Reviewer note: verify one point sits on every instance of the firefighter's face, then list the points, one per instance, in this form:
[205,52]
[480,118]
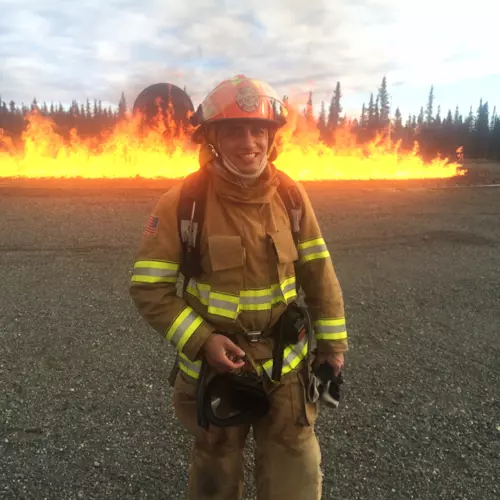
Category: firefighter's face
[244,143]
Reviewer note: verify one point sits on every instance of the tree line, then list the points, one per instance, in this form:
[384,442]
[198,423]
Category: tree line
[437,132]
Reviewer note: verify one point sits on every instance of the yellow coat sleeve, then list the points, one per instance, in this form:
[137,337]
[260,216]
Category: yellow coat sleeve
[153,283]
[317,276]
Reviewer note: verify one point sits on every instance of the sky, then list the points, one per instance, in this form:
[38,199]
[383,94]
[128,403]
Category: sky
[58,50]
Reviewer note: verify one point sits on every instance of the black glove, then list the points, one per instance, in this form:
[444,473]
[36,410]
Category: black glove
[328,384]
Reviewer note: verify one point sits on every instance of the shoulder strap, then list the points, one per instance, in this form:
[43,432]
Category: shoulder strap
[191,214]
[190,218]
[290,194]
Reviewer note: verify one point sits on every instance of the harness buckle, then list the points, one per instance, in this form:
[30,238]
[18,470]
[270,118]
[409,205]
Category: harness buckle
[254,335]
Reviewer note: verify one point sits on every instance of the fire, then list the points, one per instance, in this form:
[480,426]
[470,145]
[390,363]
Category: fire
[126,152]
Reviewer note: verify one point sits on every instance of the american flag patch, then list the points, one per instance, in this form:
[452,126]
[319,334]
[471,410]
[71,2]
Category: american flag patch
[151,226]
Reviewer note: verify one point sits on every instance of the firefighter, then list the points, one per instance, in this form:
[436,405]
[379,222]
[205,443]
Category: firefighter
[225,321]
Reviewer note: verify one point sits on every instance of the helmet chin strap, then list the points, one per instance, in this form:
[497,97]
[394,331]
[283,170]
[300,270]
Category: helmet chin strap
[233,169]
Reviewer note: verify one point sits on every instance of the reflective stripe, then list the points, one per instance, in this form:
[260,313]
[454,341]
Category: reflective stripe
[288,288]
[257,300]
[292,357]
[223,304]
[313,249]
[330,329]
[228,306]
[155,271]
[183,327]
[199,290]
[188,367]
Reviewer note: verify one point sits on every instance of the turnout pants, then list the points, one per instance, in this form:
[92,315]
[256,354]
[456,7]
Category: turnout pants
[287,453]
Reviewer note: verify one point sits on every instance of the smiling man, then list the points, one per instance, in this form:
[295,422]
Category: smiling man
[245,236]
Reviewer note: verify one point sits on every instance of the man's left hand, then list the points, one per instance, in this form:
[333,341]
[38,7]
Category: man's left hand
[336,360]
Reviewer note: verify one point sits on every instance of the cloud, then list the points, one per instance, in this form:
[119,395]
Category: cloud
[61,51]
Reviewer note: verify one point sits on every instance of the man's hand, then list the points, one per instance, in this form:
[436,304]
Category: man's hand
[336,360]
[222,354]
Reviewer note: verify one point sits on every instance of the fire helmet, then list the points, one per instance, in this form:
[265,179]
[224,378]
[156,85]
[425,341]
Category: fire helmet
[240,98]
[229,399]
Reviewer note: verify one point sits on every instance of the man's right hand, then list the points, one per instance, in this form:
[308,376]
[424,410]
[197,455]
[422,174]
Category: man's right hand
[222,354]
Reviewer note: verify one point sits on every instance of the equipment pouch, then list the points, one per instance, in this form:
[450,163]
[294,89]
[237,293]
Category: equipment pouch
[293,324]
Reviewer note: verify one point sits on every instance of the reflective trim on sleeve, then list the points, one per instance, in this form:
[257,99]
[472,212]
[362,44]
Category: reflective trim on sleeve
[155,271]
[188,367]
[330,329]
[313,249]
[183,327]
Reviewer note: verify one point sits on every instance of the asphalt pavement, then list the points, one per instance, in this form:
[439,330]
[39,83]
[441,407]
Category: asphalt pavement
[85,408]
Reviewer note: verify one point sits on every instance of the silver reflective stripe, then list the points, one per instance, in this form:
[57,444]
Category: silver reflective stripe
[320,329]
[198,290]
[296,351]
[289,287]
[223,304]
[314,249]
[188,367]
[183,327]
[293,355]
[262,299]
[155,271]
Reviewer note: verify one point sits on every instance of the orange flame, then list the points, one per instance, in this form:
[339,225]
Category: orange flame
[128,152]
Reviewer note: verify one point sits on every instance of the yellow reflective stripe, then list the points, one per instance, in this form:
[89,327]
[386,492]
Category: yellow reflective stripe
[155,271]
[157,264]
[152,279]
[311,243]
[330,329]
[293,362]
[228,305]
[315,256]
[288,288]
[259,292]
[188,367]
[200,290]
[223,304]
[313,249]
[183,327]
[234,299]
[332,336]
[292,357]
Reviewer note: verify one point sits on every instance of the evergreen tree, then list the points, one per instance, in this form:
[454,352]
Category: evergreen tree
[308,112]
[371,112]
[398,119]
[384,106]
[335,109]
[322,120]
[420,119]
[430,105]
[449,119]
[363,119]
[437,121]
[122,106]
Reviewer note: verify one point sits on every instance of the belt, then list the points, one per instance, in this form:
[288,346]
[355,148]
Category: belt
[250,336]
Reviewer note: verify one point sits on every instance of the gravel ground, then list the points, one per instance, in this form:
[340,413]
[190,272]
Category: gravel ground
[85,410]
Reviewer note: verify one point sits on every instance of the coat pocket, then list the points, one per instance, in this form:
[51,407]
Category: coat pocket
[226,252]
[284,246]
[286,254]
[227,258]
